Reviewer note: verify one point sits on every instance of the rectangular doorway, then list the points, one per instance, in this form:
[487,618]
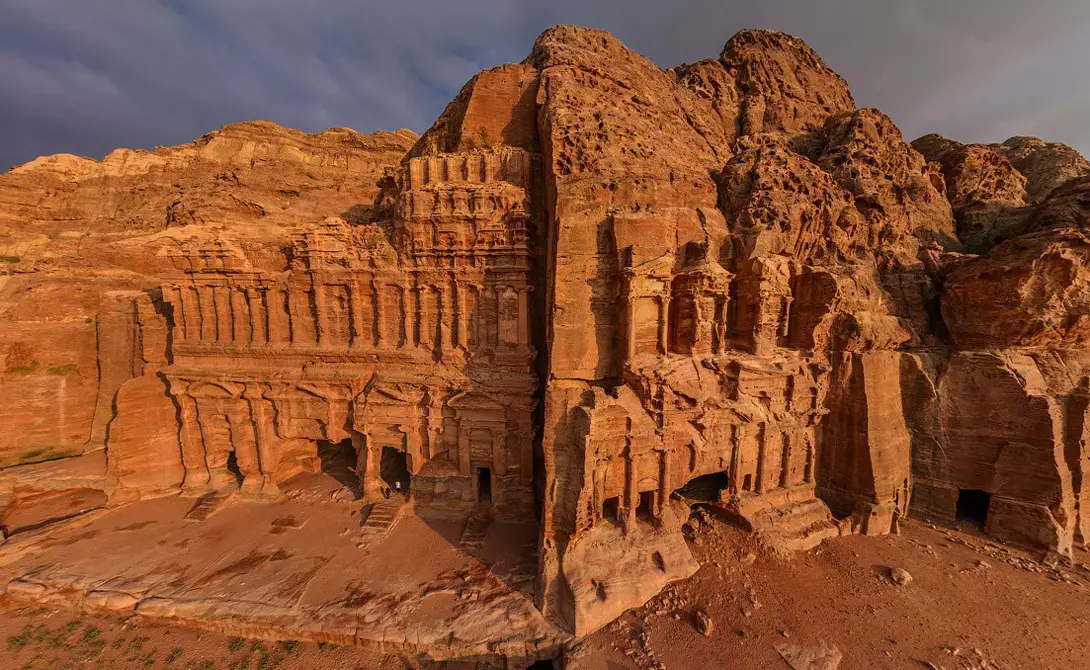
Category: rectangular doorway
[484,485]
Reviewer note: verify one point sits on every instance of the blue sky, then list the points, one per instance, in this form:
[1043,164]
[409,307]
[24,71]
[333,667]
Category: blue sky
[84,76]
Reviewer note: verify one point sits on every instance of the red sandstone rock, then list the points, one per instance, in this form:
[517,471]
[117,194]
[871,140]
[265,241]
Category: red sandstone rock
[720,282]
[987,193]
[1045,165]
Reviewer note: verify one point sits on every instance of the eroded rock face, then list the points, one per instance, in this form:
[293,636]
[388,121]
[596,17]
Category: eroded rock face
[609,291]
[73,230]
[987,193]
[1045,165]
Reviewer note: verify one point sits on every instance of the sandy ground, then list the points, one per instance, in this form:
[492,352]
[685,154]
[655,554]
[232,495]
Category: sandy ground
[49,638]
[970,604]
[296,568]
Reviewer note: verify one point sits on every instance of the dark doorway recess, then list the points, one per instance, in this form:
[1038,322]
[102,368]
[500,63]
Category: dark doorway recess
[705,487]
[646,507]
[337,460]
[972,507]
[541,665]
[610,508]
[394,470]
[484,485]
[232,466]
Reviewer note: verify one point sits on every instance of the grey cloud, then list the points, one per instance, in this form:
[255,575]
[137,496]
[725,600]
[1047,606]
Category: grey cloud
[85,77]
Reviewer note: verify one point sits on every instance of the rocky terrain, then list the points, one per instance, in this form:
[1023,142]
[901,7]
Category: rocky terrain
[594,295]
[73,229]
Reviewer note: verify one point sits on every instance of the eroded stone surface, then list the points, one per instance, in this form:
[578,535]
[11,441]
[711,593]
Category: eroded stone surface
[593,294]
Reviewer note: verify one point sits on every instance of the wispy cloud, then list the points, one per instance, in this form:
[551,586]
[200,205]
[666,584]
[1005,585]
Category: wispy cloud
[85,77]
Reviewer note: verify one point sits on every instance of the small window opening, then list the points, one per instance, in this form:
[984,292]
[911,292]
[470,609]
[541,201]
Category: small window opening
[972,507]
[747,483]
[658,562]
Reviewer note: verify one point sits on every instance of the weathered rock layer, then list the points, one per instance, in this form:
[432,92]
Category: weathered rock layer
[622,288]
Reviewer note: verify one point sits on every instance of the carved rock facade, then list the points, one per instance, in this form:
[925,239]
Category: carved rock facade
[408,337]
[595,293]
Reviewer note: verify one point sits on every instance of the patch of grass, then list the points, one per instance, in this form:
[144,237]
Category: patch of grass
[235,643]
[290,646]
[22,639]
[43,454]
[27,368]
[173,656]
[66,369]
[241,663]
[9,259]
[326,646]
[58,639]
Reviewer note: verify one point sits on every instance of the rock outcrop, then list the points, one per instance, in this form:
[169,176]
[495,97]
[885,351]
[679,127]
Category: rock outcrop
[598,289]
[73,230]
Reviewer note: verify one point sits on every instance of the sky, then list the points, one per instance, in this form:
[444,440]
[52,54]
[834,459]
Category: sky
[84,77]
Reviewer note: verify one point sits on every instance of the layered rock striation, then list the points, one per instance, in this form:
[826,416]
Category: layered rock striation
[609,291]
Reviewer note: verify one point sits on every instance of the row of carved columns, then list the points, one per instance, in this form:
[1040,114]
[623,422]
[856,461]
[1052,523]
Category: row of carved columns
[256,315]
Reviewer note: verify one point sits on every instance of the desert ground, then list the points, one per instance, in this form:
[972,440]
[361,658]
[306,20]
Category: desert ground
[970,604]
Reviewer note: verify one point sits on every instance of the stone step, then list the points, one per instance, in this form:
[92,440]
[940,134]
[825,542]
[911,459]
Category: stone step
[207,505]
[382,516]
[476,529]
[800,527]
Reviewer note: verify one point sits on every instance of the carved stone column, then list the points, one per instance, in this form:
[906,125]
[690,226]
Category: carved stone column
[630,328]
[369,466]
[664,324]
[207,309]
[736,440]
[190,317]
[355,301]
[274,304]
[524,317]
[483,338]
[196,469]
[321,308]
[224,318]
[380,313]
[244,439]
[240,312]
[631,495]
[808,471]
[424,317]
[262,414]
[664,483]
[463,448]
[785,460]
[499,452]
[463,315]
[258,332]
[762,439]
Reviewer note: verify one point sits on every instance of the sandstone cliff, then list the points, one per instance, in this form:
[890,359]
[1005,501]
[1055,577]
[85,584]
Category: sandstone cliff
[74,229]
[739,288]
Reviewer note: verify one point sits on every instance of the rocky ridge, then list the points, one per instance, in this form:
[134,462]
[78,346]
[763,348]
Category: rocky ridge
[739,275]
